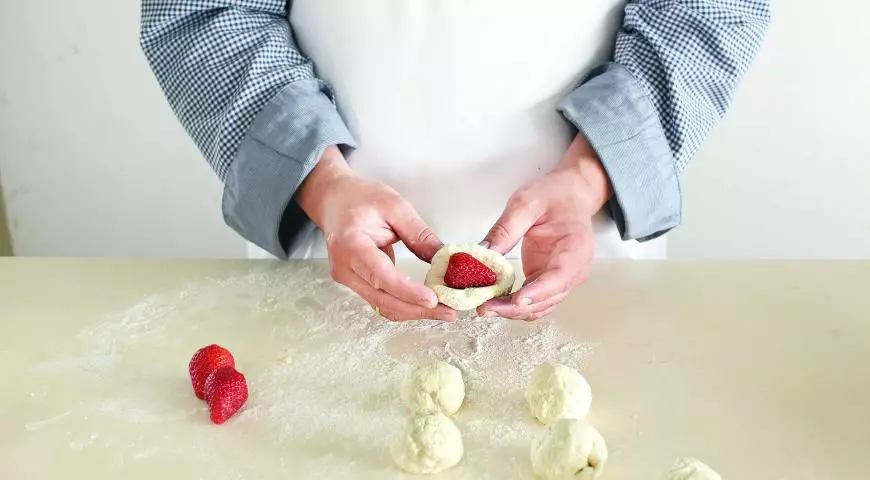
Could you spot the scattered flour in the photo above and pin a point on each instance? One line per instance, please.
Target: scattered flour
(36, 425)
(323, 370)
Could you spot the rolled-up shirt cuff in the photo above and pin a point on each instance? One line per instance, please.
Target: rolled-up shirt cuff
(615, 113)
(282, 146)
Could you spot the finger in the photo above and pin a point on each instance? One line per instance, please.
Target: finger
(375, 267)
(394, 309)
(517, 218)
(414, 232)
(503, 307)
(388, 249)
(539, 315)
(552, 282)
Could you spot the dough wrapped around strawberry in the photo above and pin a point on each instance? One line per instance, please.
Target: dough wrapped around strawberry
(465, 276)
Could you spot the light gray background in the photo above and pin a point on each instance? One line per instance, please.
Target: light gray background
(94, 164)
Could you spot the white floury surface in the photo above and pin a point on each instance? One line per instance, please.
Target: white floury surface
(95, 384)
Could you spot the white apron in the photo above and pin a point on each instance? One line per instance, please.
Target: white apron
(453, 102)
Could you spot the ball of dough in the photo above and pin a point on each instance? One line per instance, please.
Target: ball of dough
(428, 443)
(569, 449)
(469, 298)
(433, 387)
(691, 469)
(556, 392)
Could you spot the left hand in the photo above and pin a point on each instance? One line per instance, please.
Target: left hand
(553, 217)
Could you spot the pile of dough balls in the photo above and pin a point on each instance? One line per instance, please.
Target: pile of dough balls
(559, 397)
(429, 442)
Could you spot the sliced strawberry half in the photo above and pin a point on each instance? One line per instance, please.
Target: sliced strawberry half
(205, 361)
(226, 392)
(465, 271)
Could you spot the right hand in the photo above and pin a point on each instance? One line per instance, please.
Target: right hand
(361, 221)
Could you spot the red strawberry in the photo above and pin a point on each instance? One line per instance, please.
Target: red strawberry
(206, 360)
(465, 271)
(226, 391)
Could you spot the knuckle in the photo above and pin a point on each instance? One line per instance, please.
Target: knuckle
(338, 244)
(523, 198)
(380, 304)
(373, 280)
(499, 231)
(562, 280)
(332, 242)
(335, 272)
(391, 198)
(368, 274)
(392, 315)
(425, 235)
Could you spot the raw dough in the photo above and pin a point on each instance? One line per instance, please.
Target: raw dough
(433, 387)
(469, 298)
(570, 449)
(428, 443)
(691, 469)
(556, 392)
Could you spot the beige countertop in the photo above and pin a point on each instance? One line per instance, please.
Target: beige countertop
(761, 369)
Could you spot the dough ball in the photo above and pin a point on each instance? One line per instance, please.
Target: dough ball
(428, 443)
(469, 298)
(569, 449)
(556, 392)
(691, 469)
(433, 387)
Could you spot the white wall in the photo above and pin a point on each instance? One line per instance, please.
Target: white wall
(91, 159)
(93, 163)
(787, 174)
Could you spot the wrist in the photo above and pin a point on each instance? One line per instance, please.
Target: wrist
(593, 184)
(311, 194)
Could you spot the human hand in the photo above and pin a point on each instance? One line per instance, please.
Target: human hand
(361, 221)
(553, 217)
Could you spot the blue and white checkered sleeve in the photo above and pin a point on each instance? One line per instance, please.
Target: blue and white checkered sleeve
(675, 68)
(234, 77)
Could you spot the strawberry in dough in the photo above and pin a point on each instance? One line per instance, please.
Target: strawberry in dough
(226, 391)
(205, 361)
(458, 269)
(465, 271)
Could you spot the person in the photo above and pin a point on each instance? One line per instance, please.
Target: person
(368, 130)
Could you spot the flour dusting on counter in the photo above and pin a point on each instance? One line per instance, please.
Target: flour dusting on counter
(323, 371)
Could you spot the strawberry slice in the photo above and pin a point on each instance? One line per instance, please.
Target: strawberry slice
(465, 271)
(226, 391)
(205, 361)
